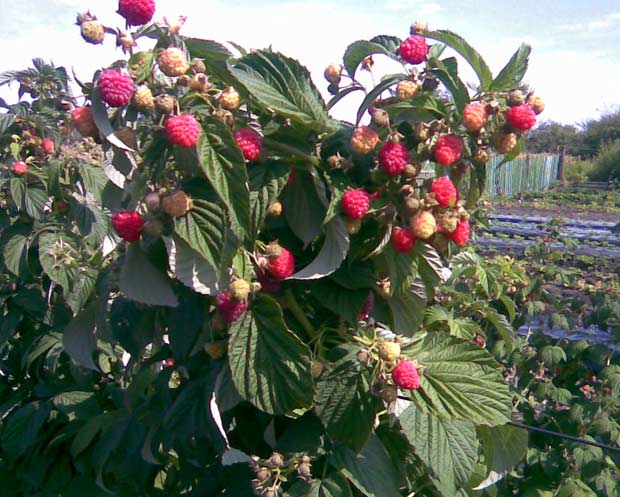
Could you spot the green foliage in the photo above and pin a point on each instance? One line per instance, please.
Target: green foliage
(606, 165)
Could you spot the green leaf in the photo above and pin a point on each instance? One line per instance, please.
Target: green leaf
(575, 488)
(142, 282)
(55, 249)
(266, 183)
(79, 338)
(270, 365)
(141, 65)
(552, 355)
(223, 163)
(503, 327)
(6, 120)
(284, 86)
(21, 430)
(204, 230)
(81, 289)
(504, 447)
(430, 266)
(460, 381)
(463, 48)
(28, 199)
(100, 116)
(335, 485)
(449, 448)
(447, 72)
(304, 206)
(372, 471)
(76, 404)
(16, 255)
(214, 54)
(408, 309)
(373, 94)
(357, 51)
(189, 267)
(95, 180)
(512, 74)
(345, 405)
(332, 253)
(341, 301)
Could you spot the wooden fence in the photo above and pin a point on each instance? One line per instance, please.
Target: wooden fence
(527, 173)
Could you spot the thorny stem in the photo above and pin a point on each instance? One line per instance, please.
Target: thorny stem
(298, 313)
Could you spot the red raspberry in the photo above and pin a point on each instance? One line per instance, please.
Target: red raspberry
(116, 88)
(403, 240)
(474, 116)
(355, 203)
(82, 120)
(460, 235)
(364, 140)
(250, 143)
(20, 167)
(393, 158)
(521, 117)
(448, 149)
(282, 265)
(128, 224)
(405, 375)
(291, 177)
(49, 146)
(368, 306)
(136, 12)
(445, 191)
(183, 130)
(414, 49)
(267, 282)
(480, 341)
(230, 309)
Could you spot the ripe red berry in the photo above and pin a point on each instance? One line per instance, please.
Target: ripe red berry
(405, 375)
(521, 117)
(403, 240)
(82, 120)
(281, 266)
(20, 167)
(250, 143)
(230, 309)
(474, 116)
(116, 88)
(128, 224)
(460, 235)
(480, 341)
(355, 203)
(136, 12)
(414, 49)
(393, 158)
(448, 149)
(445, 191)
(183, 130)
(49, 146)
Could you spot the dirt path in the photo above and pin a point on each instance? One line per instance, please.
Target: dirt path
(612, 217)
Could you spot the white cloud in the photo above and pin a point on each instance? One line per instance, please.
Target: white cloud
(610, 21)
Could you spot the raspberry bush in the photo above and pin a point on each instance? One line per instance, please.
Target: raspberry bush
(212, 287)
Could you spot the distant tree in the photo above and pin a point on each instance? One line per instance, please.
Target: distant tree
(600, 132)
(550, 137)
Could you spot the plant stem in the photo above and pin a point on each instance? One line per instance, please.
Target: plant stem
(289, 149)
(299, 314)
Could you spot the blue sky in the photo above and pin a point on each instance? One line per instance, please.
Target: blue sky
(575, 63)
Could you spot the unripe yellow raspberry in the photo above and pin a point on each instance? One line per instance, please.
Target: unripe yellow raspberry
(536, 103)
(407, 89)
(424, 225)
(505, 142)
(389, 351)
(239, 289)
(333, 73)
(229, 99)
(173, 62)
(143, 99)
(216, 350)
(364, 140)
